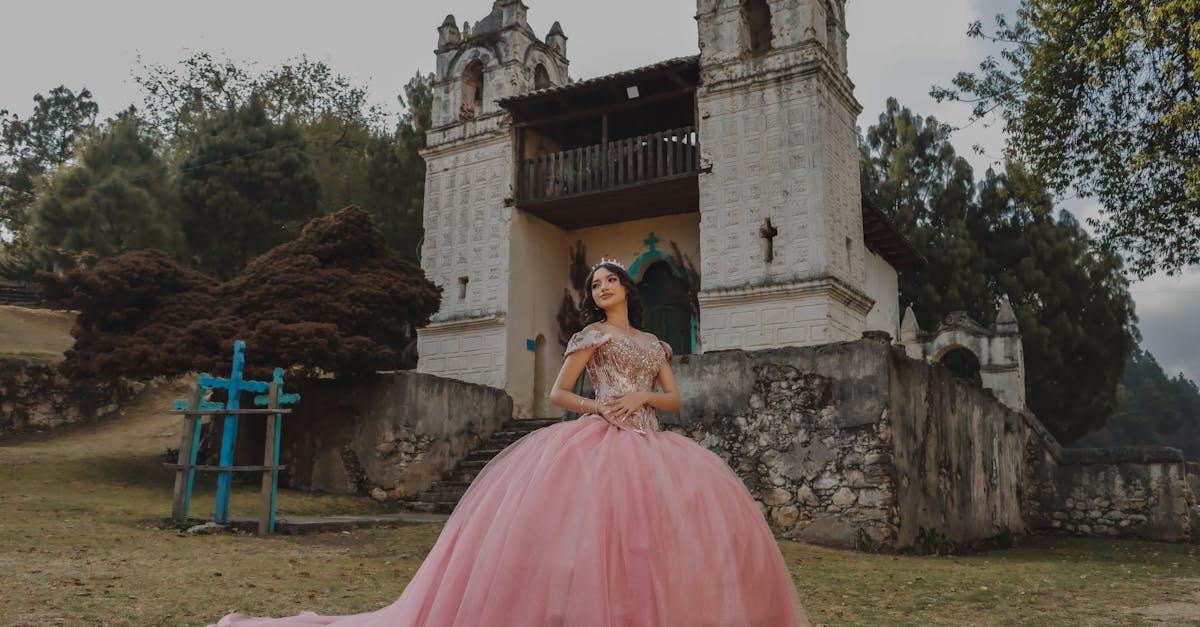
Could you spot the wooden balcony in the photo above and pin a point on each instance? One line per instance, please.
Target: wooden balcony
(627, 179)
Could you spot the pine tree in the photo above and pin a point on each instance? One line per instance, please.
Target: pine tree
(118, 196)
(1000, 238)
(246, 186)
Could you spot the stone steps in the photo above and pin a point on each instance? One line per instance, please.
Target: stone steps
(443, 495)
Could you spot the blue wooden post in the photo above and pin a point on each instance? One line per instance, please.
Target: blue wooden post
(276, 399)
(234, 385)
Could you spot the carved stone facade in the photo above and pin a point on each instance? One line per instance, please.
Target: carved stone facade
(778, 144)
(468, 210)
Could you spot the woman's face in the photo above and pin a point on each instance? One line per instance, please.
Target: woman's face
(607, 290)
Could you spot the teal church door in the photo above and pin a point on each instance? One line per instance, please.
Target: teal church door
(667, 307)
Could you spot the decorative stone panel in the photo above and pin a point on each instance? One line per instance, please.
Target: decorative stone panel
(471, 350)
(466, 221)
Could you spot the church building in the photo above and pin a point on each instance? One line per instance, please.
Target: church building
(727, 183)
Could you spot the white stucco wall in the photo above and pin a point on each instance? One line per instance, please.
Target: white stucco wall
(625, 241)
(883, 286)
(538, 267)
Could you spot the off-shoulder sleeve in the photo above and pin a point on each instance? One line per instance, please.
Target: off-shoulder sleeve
(667, 349)
(586, 338)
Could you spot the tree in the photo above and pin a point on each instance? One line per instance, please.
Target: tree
(118, 196)
(246, 186)
(910, 170)
(29, 148)
(396, 171)
(1104, 97)
(1154, 410)
(354, 158)
(179, 99)
(999, 237)
(335, 300)
(1070, 296)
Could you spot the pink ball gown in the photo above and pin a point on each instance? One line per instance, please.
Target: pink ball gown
(584, 524)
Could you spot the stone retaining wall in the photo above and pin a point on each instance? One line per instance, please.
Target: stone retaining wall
(399, 432)
(958, 458)
(815, 450)
(36, 397)
(1140, 492)
(855, 444)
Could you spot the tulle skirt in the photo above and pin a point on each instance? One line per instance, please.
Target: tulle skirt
(582, 524)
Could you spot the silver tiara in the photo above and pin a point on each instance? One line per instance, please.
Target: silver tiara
(604, 260)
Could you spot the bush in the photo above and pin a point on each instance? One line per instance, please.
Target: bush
(336, 300)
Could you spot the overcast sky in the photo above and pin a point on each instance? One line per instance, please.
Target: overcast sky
(896, 49)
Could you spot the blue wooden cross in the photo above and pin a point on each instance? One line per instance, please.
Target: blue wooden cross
(234, 386)
(281, 399)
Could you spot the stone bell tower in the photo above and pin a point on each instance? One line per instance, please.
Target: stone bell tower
(781, 230)
(469, 187)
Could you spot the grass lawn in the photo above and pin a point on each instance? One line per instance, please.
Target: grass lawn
(80, 544)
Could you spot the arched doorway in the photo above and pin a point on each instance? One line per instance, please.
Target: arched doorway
(668, 309)
(543, 378)
(963, 363)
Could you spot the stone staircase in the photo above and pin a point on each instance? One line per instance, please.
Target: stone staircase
(443, 495)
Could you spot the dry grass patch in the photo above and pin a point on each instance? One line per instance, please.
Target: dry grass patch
(35, 335)
(80, 544)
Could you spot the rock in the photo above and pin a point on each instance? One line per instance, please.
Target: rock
(829, 532)
(379, 494)
(785, 517)
(805, 496)
(844, 497)
(776, 496)
(870, 497)
(206, 529)
(826, 481)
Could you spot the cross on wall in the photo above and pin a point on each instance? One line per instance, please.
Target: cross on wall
(768, 232)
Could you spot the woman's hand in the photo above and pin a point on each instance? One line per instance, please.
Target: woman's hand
(622, 407)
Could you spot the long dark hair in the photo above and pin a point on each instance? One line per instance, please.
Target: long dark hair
(590, 312)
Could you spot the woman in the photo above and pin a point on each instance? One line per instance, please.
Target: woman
(601, 521)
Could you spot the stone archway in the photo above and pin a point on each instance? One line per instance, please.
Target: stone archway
(962, 361)
(1001, 360)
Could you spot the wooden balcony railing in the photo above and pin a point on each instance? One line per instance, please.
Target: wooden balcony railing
(623, 163)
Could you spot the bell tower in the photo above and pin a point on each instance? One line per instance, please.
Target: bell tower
(468, 213)
(781, 236)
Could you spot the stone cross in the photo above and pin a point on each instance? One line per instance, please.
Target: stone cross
(768, 233)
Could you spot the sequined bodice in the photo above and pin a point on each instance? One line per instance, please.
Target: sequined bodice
(623, 364)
